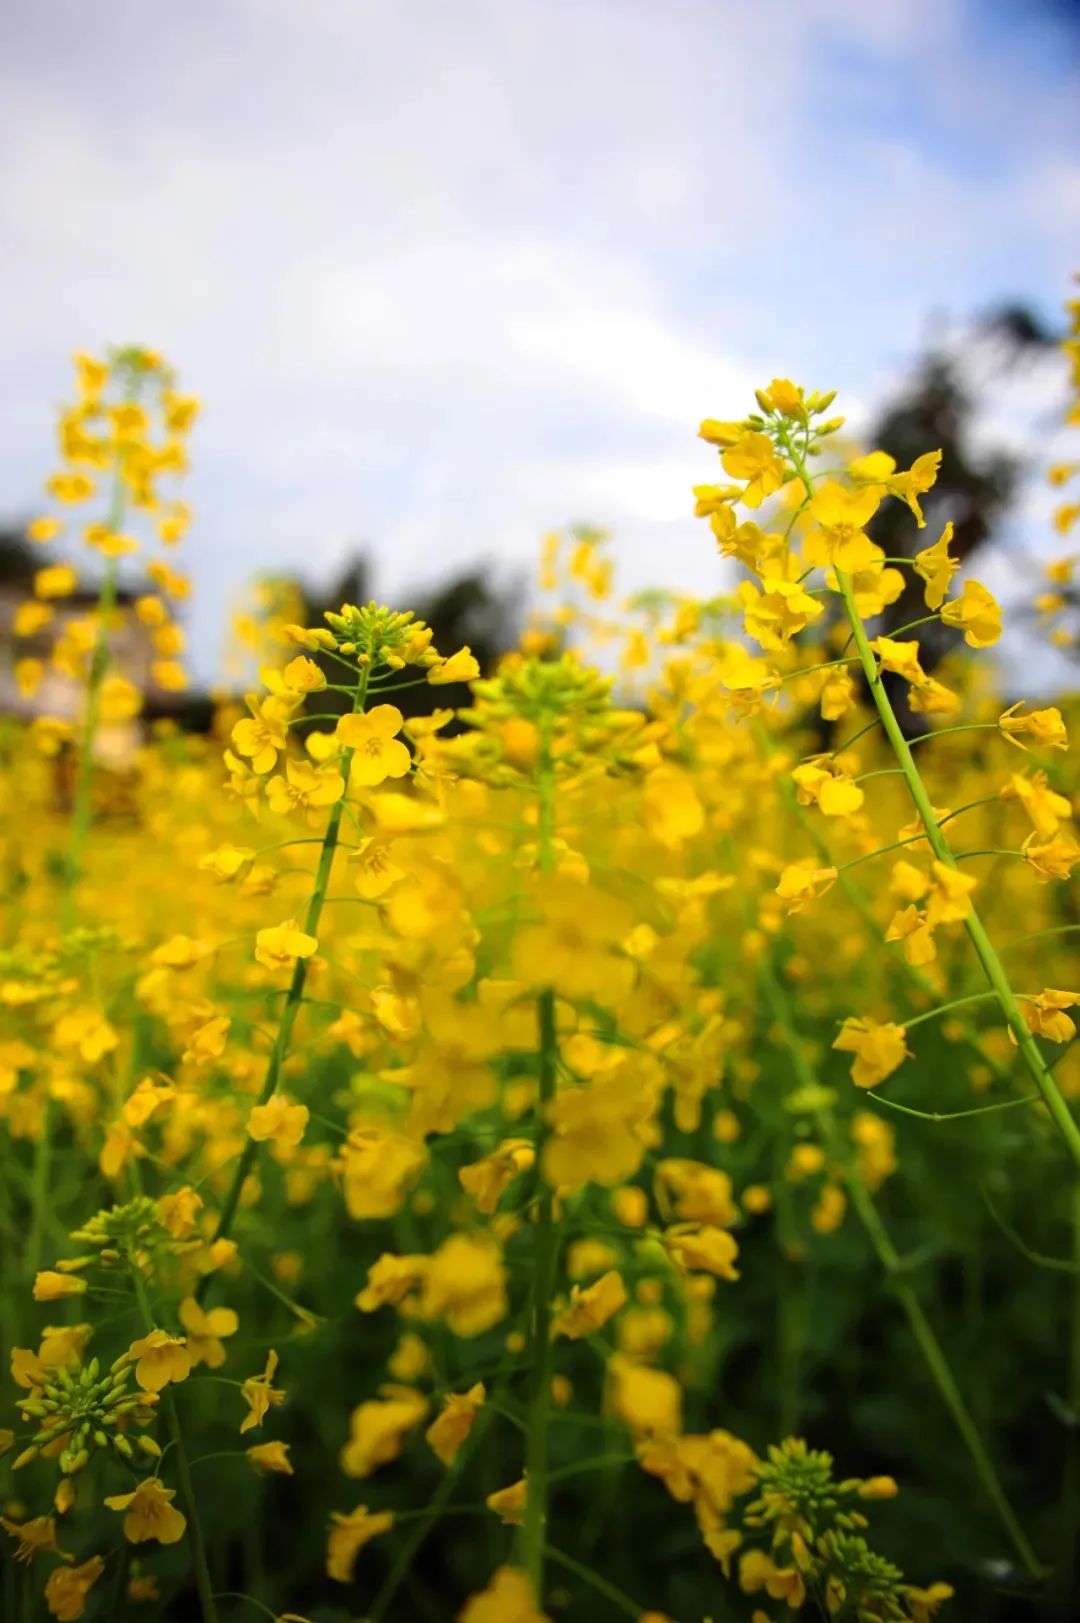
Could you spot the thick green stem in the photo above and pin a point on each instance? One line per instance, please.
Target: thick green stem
(534, 1521)
(984, 949)
(291, 1008)
(200, 1565)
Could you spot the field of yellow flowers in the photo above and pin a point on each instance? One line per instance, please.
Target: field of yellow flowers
(608, 1152)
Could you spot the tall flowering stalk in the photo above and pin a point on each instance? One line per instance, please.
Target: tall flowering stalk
(771, 451)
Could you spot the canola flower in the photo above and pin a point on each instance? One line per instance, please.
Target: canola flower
(517, 1015)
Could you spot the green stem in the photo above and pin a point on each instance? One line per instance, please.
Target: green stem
(293, 998)
(196, 1540)
(617, 1597)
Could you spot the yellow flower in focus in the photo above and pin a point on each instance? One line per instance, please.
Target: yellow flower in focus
(459, 667)
(279, 945)
(378, 753)
(879, 1049)
(841, 516)
(260, 1395)
(1044, 1015)
(976, 613)
(753, 459)
(937, 568)
(150, 1513)
(160, 1359)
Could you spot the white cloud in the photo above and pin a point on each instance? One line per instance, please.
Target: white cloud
(448, 275)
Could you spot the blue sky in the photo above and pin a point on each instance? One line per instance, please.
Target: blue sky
(448, 275)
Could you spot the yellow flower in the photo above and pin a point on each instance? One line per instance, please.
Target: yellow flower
(378, 1169)
(44, 529)
(66, 1588)
(902, 657)
(910, 927)
(304, 789)
(591, 1308)
(758, 1571)
(261, 738)
(161, 1358)
(753, 459)
(842, 516)
(35, 1537)
(700, 1193)
(270, 1457)
(50, 1286)
(486, 1180)
(206, 1330)
(259, 1395)
(509, 1598)
(647, 1401)
(449, 1430)
(1045, 728)
(465, 1285)
(700, 1247)
(391, 1279)
(508, 1503)
(803, 882)
(949, 898)
(348, 1535)
(1054, 858)
(459, 667)
(820, 782)
(178, 1212)
(379, 1428)
(378, 753)
(879, 1049)
(150, 1513)
(1044, 1015)
(937, 568)
(279, 945)
(977, 613)
(279, 1119)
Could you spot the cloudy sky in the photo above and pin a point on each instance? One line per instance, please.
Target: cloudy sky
(448, 273)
